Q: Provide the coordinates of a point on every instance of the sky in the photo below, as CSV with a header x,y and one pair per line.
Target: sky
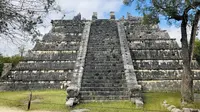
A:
x,y
86,8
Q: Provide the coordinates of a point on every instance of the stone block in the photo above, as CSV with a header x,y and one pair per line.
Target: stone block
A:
x,y
112,15
176,110
6,69
186,110
139,103
73,91
166,105
171,107
135,88
80,110
94,16
70,102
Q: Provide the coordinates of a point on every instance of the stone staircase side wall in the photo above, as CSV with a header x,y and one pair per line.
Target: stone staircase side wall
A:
x,y
127,60
74,88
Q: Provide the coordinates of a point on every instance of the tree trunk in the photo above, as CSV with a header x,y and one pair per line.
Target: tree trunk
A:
x,y
187,77
193,34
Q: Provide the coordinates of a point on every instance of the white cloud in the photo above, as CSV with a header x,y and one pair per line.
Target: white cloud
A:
x,y
175,32
87,7
71,8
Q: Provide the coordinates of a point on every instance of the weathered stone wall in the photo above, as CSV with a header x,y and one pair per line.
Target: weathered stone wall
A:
x,y
31,85
163,74
51,56
156,58
51,62
165,85
56,46
134,89
68,26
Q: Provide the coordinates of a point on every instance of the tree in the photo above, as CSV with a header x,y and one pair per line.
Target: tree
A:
x,y
19,18
14,60
187,12
197,50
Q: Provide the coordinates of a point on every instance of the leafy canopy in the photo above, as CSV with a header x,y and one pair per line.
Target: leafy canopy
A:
x,y
19,18
172,10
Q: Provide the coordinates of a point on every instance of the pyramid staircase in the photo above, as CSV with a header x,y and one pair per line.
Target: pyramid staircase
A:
x,y
103,76
106,73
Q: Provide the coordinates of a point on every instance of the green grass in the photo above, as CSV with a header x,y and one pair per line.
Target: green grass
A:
x,y
54,100
118,106
42,100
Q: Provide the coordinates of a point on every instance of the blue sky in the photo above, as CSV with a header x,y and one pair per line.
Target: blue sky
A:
x,y
86,8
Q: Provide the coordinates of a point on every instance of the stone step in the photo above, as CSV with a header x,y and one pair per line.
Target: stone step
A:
x,y
104,62
39,76
105,59
155,54
107,41
103,81
162,74
161,64
103,85
110,97
103,75
45,66
55,47
103,93
109,51
113,77
52,37
103,45
103,88
113,70
153,44
68,29
99,45
51,57
103,67
38,85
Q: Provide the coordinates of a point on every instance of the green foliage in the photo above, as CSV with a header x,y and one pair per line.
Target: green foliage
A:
x,y
171,10
14,60
197,50
127,2
1,68
151,18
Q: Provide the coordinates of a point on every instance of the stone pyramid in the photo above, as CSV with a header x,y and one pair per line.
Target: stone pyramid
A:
x,y
101,60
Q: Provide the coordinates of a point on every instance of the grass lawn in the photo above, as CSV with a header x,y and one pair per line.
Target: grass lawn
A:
x,y
54,100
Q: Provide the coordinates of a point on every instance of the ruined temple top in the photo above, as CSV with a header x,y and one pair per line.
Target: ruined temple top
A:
x,y
77,19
